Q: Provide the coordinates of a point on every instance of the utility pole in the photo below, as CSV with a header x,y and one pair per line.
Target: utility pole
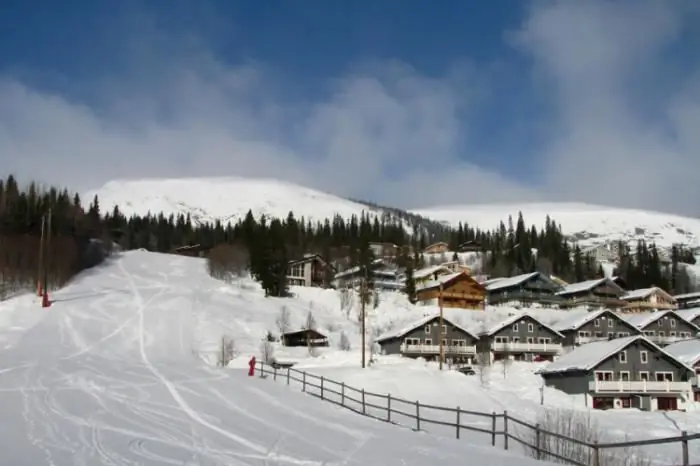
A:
x,y
39,289
363,285
442,334
45,300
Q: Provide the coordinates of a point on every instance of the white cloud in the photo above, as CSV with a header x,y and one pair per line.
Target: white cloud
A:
x,y
384,131
603,63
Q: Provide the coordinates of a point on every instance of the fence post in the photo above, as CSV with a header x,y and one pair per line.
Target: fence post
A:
x,y
288,375
388,407
684,446
274,372
364,405
321,387
262,369
458,421
342,394
538,441
417,415
596,453
493,429
505,430
303,381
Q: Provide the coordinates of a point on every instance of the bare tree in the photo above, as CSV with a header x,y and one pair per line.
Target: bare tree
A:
x,y
346,301
227,261
310,321
372,344
227,351
375,299
267,352
283,320
506,361
551,443
344,344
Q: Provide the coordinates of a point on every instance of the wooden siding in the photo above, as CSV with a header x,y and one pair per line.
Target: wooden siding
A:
x,y
463,292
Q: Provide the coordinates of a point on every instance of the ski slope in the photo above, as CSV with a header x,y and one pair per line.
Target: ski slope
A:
x,y
113,374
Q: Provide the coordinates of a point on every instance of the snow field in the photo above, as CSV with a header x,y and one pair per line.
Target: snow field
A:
x,y
111,374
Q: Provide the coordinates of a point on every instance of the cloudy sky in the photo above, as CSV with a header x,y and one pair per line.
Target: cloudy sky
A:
x,y
404,102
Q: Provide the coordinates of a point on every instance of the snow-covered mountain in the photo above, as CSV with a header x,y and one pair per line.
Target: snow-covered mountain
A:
x,y
230,198
588,224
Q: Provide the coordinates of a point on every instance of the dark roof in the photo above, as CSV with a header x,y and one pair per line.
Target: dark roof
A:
x,y
305,331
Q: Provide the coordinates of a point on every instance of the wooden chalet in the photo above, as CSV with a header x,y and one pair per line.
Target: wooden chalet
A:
x,y
311,270
646,299
304,337
458,290
528,288
470,246
193,250
687,300
594,294
437,248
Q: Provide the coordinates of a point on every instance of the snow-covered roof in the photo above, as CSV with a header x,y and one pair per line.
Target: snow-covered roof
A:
x,y
586,285
643,319
588,356
513,319
398,333
686,351
442,280
427,271
356,269
689,314
643,293
576,319
498,284
687,296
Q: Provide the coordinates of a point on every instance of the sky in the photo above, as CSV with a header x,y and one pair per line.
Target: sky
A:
x,y
403,102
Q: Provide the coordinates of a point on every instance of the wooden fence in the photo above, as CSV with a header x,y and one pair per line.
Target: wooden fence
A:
x,y
497,428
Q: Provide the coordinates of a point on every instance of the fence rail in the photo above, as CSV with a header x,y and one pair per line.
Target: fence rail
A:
x,y
499,428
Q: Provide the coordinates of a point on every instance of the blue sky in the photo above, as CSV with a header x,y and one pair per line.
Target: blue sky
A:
x,y
481,101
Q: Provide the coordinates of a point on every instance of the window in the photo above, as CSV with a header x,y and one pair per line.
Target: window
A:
x,y
644,357
664,376
662,333
459,342
596,323
530,328
516,339
622,356
660,323
515,327
428,341
611,323
626,402
599,334
624,376
604,375
611,335
643,375
427,329
672,322
649,333
444,343
671,334
530,340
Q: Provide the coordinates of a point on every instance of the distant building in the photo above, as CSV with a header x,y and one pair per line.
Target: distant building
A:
x,y
581,327
458,290
437,248
687,300
521,337
595,294
662,327
646,299
311,270
304,337
523,289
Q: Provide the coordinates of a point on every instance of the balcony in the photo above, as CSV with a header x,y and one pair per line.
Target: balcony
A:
x,y
435,349
666,340
642,386
511,347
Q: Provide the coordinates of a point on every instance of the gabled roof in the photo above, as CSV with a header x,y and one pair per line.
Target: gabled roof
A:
x,y
643,319
513,319
577,319
417,324
445,280
357,268
427,271
685,296
500,283
686,351
587,285
645,292
587,357
689,314
309,258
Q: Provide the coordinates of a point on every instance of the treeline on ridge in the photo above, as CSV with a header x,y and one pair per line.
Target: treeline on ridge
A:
x,y
82,236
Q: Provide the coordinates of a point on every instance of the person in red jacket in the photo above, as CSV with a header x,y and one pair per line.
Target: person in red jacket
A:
x,y
251,367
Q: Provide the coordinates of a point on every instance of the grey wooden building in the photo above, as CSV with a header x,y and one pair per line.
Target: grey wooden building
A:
x,y
688,300
688,352
520,337
422,339
581,327
662,327
594,294
630,372
691,315
523,289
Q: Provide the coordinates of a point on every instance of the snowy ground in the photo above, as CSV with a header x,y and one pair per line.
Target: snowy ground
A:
x,y
111,374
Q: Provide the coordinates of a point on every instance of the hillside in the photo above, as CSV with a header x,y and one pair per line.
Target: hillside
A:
x,y
588,224
110,375
228,199
125,373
